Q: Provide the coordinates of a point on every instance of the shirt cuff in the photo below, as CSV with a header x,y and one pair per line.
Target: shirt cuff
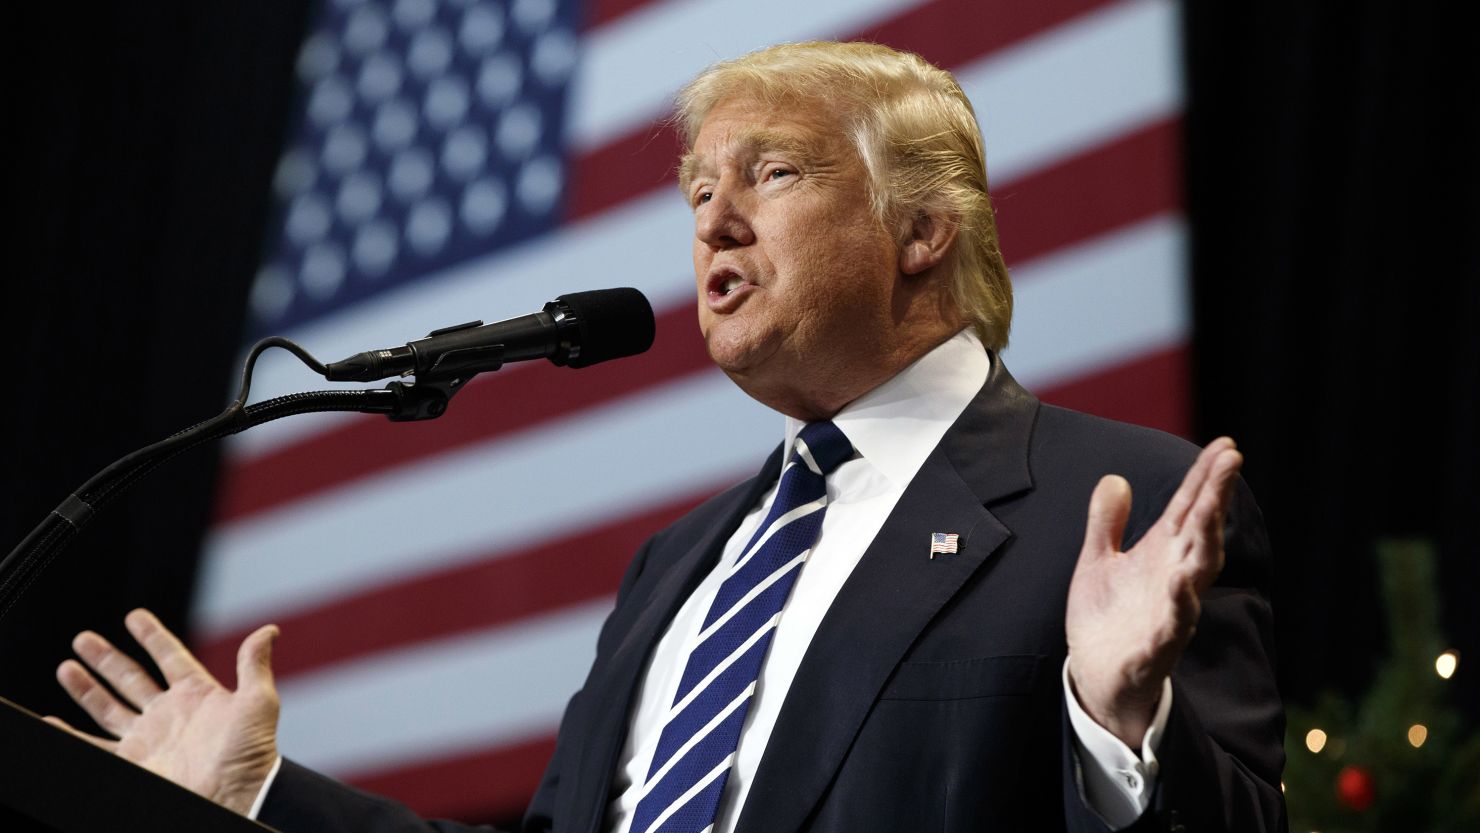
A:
x,y
1118,783
266,785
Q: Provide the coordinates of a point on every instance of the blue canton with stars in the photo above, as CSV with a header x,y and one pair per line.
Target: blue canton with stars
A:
x,y
430,133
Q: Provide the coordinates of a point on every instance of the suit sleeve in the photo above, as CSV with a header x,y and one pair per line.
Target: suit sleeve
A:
x,y
303,801
1223,750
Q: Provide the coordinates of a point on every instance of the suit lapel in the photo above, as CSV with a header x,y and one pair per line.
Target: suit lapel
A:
x,y
892,595
604,736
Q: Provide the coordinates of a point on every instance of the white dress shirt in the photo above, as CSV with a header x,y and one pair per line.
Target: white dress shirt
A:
x,y
893,429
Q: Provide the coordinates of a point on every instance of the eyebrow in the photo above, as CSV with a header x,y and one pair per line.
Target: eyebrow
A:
x,y
750,140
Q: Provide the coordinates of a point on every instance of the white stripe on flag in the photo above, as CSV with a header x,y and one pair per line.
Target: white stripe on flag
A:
x,y
1100,303
630,69
438,698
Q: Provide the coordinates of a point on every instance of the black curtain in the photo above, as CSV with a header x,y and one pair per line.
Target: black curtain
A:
x,y
1332,200
1332,192
150,133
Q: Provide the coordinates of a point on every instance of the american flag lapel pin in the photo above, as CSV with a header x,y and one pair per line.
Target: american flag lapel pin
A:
x,y
942,543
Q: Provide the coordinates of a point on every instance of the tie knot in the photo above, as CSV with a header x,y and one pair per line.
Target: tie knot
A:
x,y
827,446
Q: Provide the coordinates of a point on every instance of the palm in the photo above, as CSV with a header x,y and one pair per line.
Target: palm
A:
x,y
192,732
197,733
1130,614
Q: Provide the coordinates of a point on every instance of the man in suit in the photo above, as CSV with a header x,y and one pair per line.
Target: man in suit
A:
x,y
912,625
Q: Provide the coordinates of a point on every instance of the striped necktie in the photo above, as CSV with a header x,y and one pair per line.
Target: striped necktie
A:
x,y
697,746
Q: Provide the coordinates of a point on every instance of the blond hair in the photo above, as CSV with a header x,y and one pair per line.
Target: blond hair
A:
x,y
916,134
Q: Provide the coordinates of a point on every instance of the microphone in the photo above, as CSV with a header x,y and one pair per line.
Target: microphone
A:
x,y
575,330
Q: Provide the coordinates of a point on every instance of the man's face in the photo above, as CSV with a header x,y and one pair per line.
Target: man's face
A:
x,y
795,274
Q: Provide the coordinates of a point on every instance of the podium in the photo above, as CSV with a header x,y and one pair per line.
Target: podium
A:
x,y
51,782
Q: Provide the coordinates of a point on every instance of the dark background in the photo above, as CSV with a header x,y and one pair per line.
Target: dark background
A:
x,y
1331,192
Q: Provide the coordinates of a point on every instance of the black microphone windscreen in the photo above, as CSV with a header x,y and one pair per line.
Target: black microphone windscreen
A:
x,y
613,323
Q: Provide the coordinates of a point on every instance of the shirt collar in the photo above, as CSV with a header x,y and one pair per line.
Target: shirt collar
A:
x,y
896,425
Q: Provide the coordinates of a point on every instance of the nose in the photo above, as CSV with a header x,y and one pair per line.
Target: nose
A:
x,y
722,222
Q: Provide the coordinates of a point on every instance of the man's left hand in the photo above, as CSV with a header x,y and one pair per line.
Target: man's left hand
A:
x,y
1130,614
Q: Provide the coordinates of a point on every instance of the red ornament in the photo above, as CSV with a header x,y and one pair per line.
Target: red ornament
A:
x,y
1356,788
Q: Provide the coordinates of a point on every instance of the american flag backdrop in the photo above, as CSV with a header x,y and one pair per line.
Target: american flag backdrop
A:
x,y
440,585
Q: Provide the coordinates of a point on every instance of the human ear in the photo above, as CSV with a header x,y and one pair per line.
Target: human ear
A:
x,y
926,242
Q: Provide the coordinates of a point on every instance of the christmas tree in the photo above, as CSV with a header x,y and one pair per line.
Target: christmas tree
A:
x,y
1400,760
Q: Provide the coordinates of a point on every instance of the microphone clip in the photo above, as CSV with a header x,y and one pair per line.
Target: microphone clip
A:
x,y
427,397
422,399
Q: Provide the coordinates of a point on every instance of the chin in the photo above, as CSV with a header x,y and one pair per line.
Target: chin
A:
x,y
735,349
731,361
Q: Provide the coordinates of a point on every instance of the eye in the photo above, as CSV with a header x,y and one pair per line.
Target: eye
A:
x,y
779,173
703,197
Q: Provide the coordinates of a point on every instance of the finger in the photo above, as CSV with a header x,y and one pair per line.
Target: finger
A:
x,y
99,703
101,743
127,677
1220,485
254,661
1192,484
167,651
1226,480
1109,507
1204,555
1207,516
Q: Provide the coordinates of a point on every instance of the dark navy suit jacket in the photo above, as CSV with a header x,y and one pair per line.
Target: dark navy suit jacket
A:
x,y
930,698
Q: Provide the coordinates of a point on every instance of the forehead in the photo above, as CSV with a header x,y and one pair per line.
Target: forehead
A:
x,y
742,129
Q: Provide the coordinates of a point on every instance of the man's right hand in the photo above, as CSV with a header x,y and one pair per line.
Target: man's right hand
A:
x,y
219,743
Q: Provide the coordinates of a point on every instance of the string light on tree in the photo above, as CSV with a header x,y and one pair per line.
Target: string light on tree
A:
x,y
1446,663
1315,740
1417,734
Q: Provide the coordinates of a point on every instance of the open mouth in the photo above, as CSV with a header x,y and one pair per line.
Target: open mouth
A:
x,y
725,282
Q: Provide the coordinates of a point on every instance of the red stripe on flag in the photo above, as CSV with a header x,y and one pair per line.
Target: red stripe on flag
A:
x,y
1149,390
942,32
1133,178
480,594
950,33
485,786
513,399
602,12
617,171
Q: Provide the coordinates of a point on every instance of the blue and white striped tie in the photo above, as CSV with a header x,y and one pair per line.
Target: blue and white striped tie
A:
x,y
697,746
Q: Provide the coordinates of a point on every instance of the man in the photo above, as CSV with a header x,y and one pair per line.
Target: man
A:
x,y
907,628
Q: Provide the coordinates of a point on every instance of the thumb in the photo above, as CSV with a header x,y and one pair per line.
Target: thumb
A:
x,y
254,659
1109,507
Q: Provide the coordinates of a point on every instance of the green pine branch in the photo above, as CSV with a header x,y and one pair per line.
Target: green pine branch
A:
x,y
1430,788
